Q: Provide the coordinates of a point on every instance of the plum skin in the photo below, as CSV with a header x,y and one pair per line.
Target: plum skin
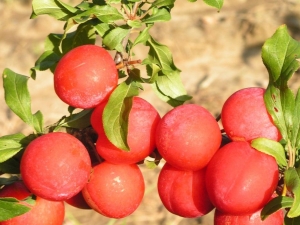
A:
x,y
115,190
245,117
183,192
55,166
188,136
43,212
221,218
239,179
142,123
85,76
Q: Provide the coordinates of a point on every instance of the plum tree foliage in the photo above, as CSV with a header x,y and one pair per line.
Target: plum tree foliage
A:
x,y
113,23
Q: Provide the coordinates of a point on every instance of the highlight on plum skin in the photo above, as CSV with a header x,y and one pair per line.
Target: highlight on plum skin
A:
x,y
188,136
55,166
113,190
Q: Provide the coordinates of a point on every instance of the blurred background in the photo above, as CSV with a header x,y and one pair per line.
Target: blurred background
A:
x,y
218,53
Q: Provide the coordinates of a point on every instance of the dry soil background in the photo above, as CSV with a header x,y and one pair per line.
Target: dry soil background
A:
x,y
218,53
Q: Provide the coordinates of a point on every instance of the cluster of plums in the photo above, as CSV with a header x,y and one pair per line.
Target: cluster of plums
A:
x,y
199,175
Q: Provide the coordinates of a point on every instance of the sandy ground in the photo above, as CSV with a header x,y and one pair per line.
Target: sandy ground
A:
x,y
218,53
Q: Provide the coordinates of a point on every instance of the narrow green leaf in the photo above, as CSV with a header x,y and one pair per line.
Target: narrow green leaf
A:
x,y
10,207
10,166
163,3
84,34
54,8
142,37
292,181
18,99
108,14
296,122
134,23
168,83
8,180
280,202
161,15
47,60
215,3
280,54
272,148
291,221
78,120
165,98
113,40
116,112
102,28
10,145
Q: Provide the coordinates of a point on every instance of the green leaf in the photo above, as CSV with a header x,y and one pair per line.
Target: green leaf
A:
x,y
102,28
46,61
10,166
280,202
134,23
84,34
116,113
272,148
8,180
292,181
161,15
113,40
10,207
215,3
54,8
291,221
108,14
142,37
10,145
77,120
168,83
163,3
280,54
18,99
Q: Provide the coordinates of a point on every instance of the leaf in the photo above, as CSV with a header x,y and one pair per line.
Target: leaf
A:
x,y
292,181
46,61
10,207
113,40
291,221
84,34
102,28
108,14
215,3
18,99
10,145
168,83
272,148
161,15
142,37
78,120
8,180
134,23
54,8
277,203
116,113
280,54
11,166
163,3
